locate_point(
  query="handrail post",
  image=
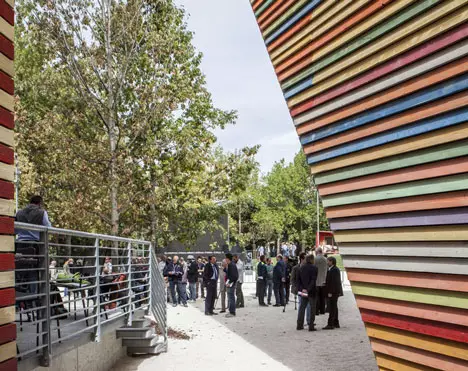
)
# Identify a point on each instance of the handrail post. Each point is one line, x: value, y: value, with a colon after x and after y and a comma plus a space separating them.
x: 130, y: 281
x: 46, y: 336
x: 150, y: 278
x: 97, y: 333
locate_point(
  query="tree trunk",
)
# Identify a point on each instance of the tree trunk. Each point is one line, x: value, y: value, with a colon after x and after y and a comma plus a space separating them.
x: 240, y: 222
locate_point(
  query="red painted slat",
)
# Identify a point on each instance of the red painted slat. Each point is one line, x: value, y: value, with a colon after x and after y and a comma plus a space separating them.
x: 7, y: 297
x: 450, y: 282
x: 10, y: 365
x: 425, y: 202
x: 6, y: 154
x: 7, y: 190
x: 7, y: 47
x: 7, y: 261
x: 413, y: 55
x: 263, y: 22
x: 6, y: 83
x: 6, y: 118
x: 426, y: 171
x: 7, y: 334
x: 436, y: 329
x: 7, y: 12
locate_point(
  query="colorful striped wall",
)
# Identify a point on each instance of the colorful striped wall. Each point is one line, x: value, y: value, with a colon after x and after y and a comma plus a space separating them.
x: 378, y: 91
x: 7, y: 205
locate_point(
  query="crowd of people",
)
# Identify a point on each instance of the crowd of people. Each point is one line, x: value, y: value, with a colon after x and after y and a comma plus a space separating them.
x: 287, y: 249
x: 312, y: 278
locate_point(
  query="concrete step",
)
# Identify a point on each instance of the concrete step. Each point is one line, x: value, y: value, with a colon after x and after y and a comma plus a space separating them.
x: 139, y: 323
x: 132, y: 332
x: 149, y: 341
x: 159, y: 347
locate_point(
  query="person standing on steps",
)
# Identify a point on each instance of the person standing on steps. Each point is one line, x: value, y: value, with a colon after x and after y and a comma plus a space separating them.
x: 240, y: 270
x: 307, y: 289
x: 231, y: 279
x: 322, y: 266
x: 261, y: 281
x: 334, y: 291
x: 210, y: 278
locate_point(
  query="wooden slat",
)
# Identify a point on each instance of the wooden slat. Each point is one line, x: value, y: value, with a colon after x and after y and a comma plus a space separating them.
x: 6, y: 173
x: 418, y: 356
x: 6, y: 12
x: 6, y: 156
x: 409, y: 249
x: 436, y: 233
x: 7, y: 261
x: 423, y: 312
x: 319, y: 79
x: 7, y: 137
x: 7, y: 29
x: 7, y: 333
x: 10, y: 365
x: 7, y: 65
x: 426, y: 202
x: 7, y: 279
x: 417, y: 295
x: 11, y: 3
x: 299, y: 40
x: 426, y: 171
x: 414, y: 219
x: 7, y: 297
x: 6, y: 100
x: 7, y: 315
x: 428, y: 343
x: 447, y: 282
x: 391, y: 363
x: 437, y: 329
x: 446, y: 135
x: 7, y: 243
x: 294, y: 35
x: 407, y: 58
x: 421, y: 187
x: 7, y: 351
x: 345, y: 34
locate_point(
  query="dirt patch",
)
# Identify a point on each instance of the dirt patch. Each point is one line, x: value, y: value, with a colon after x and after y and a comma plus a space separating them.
x: 176, y: 334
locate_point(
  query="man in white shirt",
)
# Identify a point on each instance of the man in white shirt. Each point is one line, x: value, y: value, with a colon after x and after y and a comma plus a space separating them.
x: 240, y: 269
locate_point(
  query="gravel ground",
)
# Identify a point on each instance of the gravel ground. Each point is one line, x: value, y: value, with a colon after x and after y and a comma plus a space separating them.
x: 261, y: 338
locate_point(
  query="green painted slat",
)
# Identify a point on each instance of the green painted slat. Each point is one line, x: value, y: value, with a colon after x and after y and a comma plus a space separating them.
x: 364, y: 39
x: 262, y: 8
x: 432, y: 154
x: 415, y: 295
x: 284, y: 17
x: 422, y: 187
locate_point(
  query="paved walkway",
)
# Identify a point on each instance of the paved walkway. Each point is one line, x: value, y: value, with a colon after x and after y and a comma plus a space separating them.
x: 261, y: 339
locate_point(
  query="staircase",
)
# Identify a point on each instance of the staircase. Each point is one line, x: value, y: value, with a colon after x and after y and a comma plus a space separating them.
x: 140, y: 338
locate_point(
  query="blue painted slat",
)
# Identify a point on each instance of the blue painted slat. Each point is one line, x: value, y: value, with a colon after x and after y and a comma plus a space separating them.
x: 291, y: 21
x: 433, y: 93
x: 420, y: 127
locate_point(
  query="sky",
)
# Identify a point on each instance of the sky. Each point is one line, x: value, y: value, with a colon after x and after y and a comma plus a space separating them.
x: 240, y: 76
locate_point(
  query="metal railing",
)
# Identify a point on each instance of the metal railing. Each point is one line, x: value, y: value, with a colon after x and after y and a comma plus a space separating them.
x: 71, y: 283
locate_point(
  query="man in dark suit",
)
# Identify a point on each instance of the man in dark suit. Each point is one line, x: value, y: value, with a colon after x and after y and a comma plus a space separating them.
x: 334, y: 291
x: 262, y: 276
x: 279, y: 276
x: 232, y: 275
x: 210, y: 278
x: 306, y: 287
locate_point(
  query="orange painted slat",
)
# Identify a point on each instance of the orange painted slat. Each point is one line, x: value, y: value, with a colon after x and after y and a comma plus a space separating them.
x: 257, y: 4
x: 408, y: 87
x: 426, y: 171
x: 263, y: 22
x: 426, y: 202
x: 423, y: 311
x: 450, y: 282
x: 418, y: 356
x: 343, y: 27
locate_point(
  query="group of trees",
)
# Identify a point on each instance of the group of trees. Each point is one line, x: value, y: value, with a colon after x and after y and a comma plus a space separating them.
x: 115, y: 129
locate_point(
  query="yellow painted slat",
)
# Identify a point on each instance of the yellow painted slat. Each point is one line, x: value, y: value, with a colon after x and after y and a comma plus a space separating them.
x: 7, y: 136
x: 7, y: 315
x: 7, y: 100
x: 6, y: 65
x: 7, y: 243
x: 7, y: 279
x: 431, y: 233
x: 302, y: 37
x: 7, y: 172
x: 411, y: 144
x: 7, y: 351
x: 7, y: 29
x: 431, y: 344
x: 397, y: 364
x: 327, y: 78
